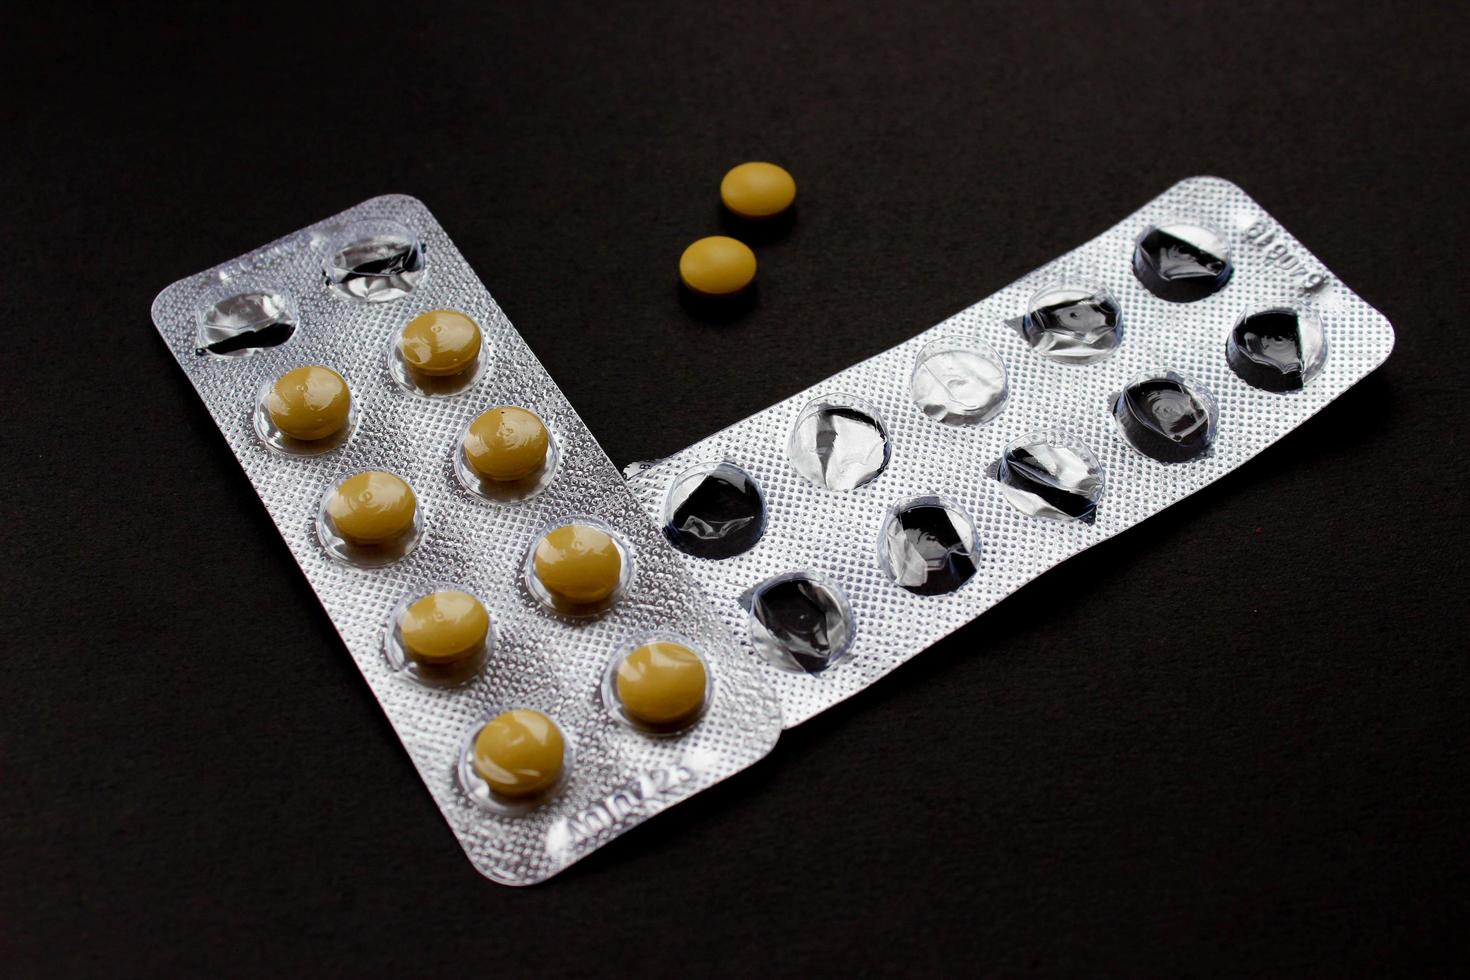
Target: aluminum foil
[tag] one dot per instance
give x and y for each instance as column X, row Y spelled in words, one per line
column 835, row 532
column 618, row 776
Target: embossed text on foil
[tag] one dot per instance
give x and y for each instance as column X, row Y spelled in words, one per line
column 1262, row 234
column 627, row 800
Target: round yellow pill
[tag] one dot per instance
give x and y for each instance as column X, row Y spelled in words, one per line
column 309, row 403
column 444, row 627
column 506, row 443
column 717, row 266
column 440, row 343
column 520, row 753
column 372, row 508
column 757, row 190
column 661, row 683
column 578, row 563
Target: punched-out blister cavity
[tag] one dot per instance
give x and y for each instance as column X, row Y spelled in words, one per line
column 419, row 525
column 1050, row 474
column 1182, row 261
column 1074, row 323
column 928, row 545
column 1150, row 308
column 1166, row 417
column 799, row 621
column 839, row 442
column 959, row 382
column 245, row 315
column 714, row 511
column 374, row 260
column 1277, row 349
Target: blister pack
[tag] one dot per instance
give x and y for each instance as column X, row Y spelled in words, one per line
column 546, row 658
column 842, row 531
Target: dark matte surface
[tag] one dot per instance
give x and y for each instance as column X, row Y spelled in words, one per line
column 1231, row 741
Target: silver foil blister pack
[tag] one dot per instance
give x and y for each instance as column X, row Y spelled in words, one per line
column 304, row 302
column 909, row 493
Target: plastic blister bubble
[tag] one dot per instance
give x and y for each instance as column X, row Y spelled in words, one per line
column 451, row 672
column 271, row 435
column 577, row 606
column 669, row 727
column 506, row 492
column 366, row 553
column 477, row 789
column 436, row 385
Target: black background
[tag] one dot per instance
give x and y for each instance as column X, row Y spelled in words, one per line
column 1232, row 740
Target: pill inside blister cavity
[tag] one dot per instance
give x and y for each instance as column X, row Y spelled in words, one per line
column 506, row 454
column 1277, row 349
column 242, row 318
column 1182, row 261
column 1166, row 417
column 1073, row 322
column 515, row 761
column 928, row 545
column 839, row 442
column 306, row 411
column 375, row 261
column 580, row 568
column 959, row 382
column 441, row 637
column 799, row 621
column 657, row 684
column 370, row 518
column 438, row 353
column 714, row 510
column 1050, row 474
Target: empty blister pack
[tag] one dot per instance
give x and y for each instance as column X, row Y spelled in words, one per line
column 851, row 526
column 544, row 655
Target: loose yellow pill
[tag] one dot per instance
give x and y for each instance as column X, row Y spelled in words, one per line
column 309, row 403
column 506, row 443
column 757, row 190
column 444, row 627
column 578, row 563
column 717, row 266
column 661, row 683
column 440, row 343
column 520, row 753
column 372, row 508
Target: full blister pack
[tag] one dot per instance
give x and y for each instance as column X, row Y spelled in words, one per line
column 548, row 661
column 847, row 528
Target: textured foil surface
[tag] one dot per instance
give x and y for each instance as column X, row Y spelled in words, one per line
column 836, row 532
column 619, row 777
